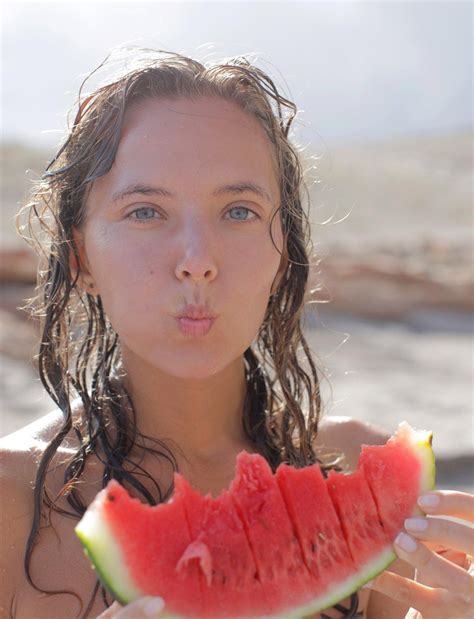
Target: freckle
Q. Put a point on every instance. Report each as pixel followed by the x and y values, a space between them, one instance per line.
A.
pixel 152 272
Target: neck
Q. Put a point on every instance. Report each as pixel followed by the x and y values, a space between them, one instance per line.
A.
pixel 202 417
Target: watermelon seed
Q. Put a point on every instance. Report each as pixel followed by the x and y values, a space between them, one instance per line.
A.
pixel 111 497
pixel 322 536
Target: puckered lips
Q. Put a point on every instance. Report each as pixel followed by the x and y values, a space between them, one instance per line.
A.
pixel 196 320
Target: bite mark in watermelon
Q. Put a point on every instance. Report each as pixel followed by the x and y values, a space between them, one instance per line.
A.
pixel 271 546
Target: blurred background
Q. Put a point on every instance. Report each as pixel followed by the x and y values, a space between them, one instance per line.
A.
pixel 384 91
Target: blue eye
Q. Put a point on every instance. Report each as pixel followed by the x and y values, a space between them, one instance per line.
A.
pixel 147 213
pixel 139 213
pixel 242 209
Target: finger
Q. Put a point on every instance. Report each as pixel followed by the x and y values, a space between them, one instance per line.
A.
pixel 403 590
pixel 448 503
pixel 454 556
pixel 448 533
pixel 430 603
pixel 432 568
pixel 439 548
pixel 111 611
pixel 144 608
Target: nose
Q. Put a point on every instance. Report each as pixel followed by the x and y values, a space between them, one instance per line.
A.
pixel 197 262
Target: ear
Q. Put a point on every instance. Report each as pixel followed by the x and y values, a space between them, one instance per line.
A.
pixel 81 267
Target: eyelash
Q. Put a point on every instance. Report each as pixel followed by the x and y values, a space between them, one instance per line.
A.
pixel 142 221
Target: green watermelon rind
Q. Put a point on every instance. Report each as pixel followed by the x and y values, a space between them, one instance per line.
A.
pixel 420 442
pixel 106 556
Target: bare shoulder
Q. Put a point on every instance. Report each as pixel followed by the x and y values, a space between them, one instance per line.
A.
pixel 347 434
pixel 20 455
pixel 59 554
pixel 18 463
pixel 42 430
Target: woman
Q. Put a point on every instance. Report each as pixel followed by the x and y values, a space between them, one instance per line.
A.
pixel 171 300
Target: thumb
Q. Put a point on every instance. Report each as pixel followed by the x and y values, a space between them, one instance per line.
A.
pixel 111 611
pixel 142 608
pixel 152 607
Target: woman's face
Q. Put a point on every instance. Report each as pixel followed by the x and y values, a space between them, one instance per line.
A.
pixel 163 231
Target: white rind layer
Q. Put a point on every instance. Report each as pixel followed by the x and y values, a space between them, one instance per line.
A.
pixel 105 554
pixel 107 558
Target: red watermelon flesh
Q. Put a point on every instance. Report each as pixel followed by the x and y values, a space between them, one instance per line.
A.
pixel 317 525
pixel 271 535
pixel 251 552
pixel 225 557
pixel 358 515
pixel 392 486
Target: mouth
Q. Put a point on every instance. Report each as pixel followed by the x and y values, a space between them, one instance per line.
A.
pixel 195 327
pixel 197 312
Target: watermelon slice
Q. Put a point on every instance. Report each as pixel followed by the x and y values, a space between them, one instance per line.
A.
pixel 280 546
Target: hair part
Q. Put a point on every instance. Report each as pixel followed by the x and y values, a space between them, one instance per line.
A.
pixel 79 356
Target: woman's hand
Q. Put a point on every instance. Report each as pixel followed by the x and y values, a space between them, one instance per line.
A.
pixel 444 581
pixel 143 608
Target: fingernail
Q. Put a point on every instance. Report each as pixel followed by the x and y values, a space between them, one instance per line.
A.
pixel 368 585
pixel 428 500
pixel 416 524
pixel 153 607
pixel 405 542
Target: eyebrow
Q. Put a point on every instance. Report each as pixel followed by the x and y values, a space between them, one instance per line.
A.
pixel 230 188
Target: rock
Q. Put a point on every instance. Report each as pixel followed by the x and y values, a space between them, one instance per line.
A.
pixel 393 283
pixel 18 266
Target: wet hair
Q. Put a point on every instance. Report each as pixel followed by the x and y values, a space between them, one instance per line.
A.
pixel 79 355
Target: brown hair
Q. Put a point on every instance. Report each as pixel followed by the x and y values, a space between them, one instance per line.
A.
pixel 79 354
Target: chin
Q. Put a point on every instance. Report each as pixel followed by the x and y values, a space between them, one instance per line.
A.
pixel 190 365
pixel 192 372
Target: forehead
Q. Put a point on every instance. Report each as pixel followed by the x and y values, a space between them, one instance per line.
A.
pixel 165 119
pixel 203 139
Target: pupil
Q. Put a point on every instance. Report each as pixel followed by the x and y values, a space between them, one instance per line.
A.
pixel 140 212
pixel 242 210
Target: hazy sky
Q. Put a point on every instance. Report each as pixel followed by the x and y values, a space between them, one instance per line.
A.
pixel 357 70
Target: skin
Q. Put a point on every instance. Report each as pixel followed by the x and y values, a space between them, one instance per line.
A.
pixel 197 247
pixel 441 553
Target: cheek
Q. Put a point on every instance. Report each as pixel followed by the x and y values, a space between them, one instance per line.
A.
pixel 251 274
pixel 247 284
pixel 129 276
pixel 115 256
